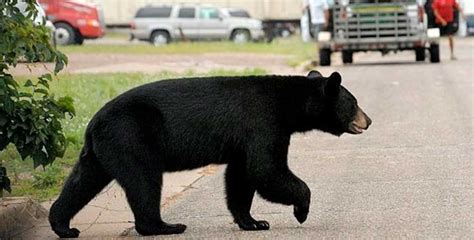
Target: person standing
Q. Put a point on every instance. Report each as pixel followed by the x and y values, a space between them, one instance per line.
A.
pixel 444 13
pixel 319 12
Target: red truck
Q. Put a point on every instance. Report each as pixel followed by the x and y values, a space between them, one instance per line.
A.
pixel 74 21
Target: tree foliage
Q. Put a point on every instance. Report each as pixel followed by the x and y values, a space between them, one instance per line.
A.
pixel 30 116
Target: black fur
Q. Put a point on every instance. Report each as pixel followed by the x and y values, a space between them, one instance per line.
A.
pixel 173 125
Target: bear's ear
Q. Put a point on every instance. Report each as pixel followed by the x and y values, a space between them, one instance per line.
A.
pixel 314 74
pixel 334 84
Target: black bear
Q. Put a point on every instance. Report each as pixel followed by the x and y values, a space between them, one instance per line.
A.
pixel 173 125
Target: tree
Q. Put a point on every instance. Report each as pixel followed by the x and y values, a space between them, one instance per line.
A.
pixel 30 116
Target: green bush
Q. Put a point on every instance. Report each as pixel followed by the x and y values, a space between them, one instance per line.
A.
pixel 29 114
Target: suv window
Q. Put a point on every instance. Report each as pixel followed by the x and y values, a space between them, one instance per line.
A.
pixel 208 13
pixel 187 12
pixel 154 12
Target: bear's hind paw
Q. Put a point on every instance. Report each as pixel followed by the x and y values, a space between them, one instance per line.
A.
pixel 163 229
pixel 67 233
pixel 254 225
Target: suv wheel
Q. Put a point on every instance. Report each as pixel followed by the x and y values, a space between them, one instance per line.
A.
pixel 240 36
pixel 159 38
pixel 64 34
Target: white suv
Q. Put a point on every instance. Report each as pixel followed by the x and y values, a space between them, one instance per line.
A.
pixel 162 24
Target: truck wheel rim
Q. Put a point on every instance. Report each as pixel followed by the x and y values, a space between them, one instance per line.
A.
pixel 160 40
pixel 62 36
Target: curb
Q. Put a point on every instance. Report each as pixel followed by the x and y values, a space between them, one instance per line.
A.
pixel 18 214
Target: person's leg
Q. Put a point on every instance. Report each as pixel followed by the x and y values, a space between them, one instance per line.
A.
pixel 451 40
pixel 451 47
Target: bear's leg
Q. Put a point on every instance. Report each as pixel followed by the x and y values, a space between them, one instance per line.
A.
pixel 144 195
pixel 268 170
pixel 282 186
pixel 86 180
pixel 240 194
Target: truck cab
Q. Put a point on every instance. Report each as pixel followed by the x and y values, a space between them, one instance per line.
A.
pixel 74 21
pixel 378 25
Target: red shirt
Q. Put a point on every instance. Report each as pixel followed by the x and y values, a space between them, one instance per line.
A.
pixel 445 8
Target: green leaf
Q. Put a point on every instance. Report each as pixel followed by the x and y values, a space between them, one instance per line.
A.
pixel 42 91
pixel 67 104
pixel 28 83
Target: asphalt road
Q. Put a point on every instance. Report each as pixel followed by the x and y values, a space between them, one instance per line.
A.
pixel 409 176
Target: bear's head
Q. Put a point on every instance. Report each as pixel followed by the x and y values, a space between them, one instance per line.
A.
pixel 335 110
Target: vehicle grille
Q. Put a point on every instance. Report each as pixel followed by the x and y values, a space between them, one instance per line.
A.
pixel 374 23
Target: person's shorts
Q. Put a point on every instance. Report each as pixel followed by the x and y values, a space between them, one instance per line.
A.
pixel 448 29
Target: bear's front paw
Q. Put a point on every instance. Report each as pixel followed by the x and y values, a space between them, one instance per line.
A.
pixel 301 213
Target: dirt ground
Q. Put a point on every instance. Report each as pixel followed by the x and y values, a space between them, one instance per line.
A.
pixel 113 63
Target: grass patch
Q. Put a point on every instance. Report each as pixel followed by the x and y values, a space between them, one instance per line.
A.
pixel 287 46
pixel 90 92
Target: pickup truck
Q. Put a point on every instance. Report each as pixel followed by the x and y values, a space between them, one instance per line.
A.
pixel 74 21
pixel 378 25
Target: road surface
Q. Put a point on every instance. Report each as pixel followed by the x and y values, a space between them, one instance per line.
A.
pixel 409 176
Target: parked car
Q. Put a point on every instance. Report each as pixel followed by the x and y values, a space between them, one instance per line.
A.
pixel 40 18
pixel 74 21
pixel 162 24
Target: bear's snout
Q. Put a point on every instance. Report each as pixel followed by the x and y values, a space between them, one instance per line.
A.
pixel 360 123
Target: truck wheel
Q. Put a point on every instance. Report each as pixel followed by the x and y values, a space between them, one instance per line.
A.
pixel 325 57
pixel 347 56
pixel 240 36
pixel 420 54
pixel 159 38
pixel 434 53
pixel 64 34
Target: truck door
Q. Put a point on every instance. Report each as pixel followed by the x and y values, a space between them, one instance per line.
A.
pixel 211 24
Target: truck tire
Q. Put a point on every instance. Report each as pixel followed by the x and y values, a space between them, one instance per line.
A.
pixel 240 36
pixel 325 57
pixel 347 56
pixel 159 38
pixel 420 54
pixel 434 53
pixel 64 34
